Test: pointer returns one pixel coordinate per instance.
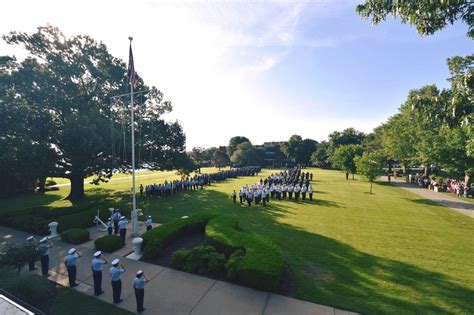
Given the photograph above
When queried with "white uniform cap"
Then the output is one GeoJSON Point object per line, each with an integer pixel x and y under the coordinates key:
{"type": "Point", "coordinates": [97, 253]}
{"type": "Point", "coordinates": [44, 239]}
{"type": "Point", "coordinates": [29, 238]}
{"type": "Point", "coordinates": [115, 262]}
{"type": "Point", "coordinates": [108, 219]}
{"type": "Point", "coordinates": [71, 251]}
{"type": "Point", "coordinates": [122, 217]}
{"type": "Point", "coordinates": [149, 217]}
{"type": "Point", "coordinates": [139, 272]}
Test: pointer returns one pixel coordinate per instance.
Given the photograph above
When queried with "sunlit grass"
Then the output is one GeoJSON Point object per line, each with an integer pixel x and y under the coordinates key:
{"type": "Point", "coordinates": [390, 252]}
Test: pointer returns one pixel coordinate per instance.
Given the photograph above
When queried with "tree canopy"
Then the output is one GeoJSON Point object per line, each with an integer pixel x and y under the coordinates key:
{"type": "Point", "coordinates": [247, 155]}
{"type": "Point", "coordinates": [62, 91]}
{"type": "Point", "coordinates": [234, 142]}
{"type": "Point", "coordinates": [344, 157]}
{"type": "Point", "coordinates": [427, 16]}
{"type": "Point", "coordinates": [370, 166]}
{"type": "Point", "coordinates": [298, 150]}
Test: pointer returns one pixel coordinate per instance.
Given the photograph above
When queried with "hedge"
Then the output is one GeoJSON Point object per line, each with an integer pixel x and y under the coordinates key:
{"type": "Point", "coordinates": [263, 263]}
{"type": "Point", "coordinates": [156, 240]}
{"type": "Point", "coordinates": [75, 236]}
{"type": "Point", "coordinates": [108, 243]}
{"type": "Point", "coordinates": [29, 223]}
{"type": "Point", "coordinates": [82, 219]}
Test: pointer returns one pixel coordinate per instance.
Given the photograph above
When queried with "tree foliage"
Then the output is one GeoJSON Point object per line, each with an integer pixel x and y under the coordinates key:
{"type": "Point", "coordinates": [298, 150]}
{"type": "Point", "coordinates": [370, 166]}
{"type": "Point", "coordinates": [64, 88]}
{"type": "Point", "coordinates": [246, 155]}
{"type": "Point", "coordinates": [220, 159]}
{"type": "Point", "coordinates": [234, 142]}
{"type": "Point", "coordinates": [344, 157]}
{"type": "Point", "coordinates": [427, 16]}
{"type": "Point", "coordinates": [320, 157]}
{"type": "Point", "coordinates": [17, 255]}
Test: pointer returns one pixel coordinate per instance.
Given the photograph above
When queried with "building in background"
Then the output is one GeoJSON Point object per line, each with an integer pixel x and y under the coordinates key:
{"type": "Point", "coordinates": [273, 155]}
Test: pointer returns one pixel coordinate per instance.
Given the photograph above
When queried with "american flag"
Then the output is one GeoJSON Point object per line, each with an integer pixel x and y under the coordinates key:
{"type": "Point", "coordinates": [131, 69]}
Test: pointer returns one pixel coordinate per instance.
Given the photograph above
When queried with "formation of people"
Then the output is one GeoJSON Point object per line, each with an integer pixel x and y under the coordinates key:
{"type": "Point", "coordinates": [188, 183]}
{"type": "Point", "coordinates": [97, 263]}
{"type": "Point", "coordinates": [451, 185]}
{"type": "Point", "coordinates": [292, 183]}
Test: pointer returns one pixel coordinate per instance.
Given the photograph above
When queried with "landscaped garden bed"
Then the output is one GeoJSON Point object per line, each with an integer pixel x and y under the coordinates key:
{"type": "Point", "coordinates": [223, 251]}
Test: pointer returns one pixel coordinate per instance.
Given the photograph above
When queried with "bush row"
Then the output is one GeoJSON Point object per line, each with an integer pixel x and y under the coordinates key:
{"type": "Point", "coordinates": [156, 240]}
{"type": "Point", "coordinates": [108, 243]}
{"type": "Point", "coordinates": [262, 264]}
{"type": "Point", "coordinates": [202, 260]}
{"type": "Point", "coordinates": [75, 236]}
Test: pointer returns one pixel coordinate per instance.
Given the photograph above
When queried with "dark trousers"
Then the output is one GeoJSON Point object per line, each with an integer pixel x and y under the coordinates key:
{"type": "Point", "coordinates": [109, 230]}
{"type": "Point", "coordinates": [116, 229]}
{"type": "Point", "coordinates": [122, 235]}
{"type": "Point", "coordinates": [97, 275]}
{"type": "Point", "coordinates": [234, 198]}
{"type": "Point", "coordinates": [148, 227]}
{"type": "Point", "coordinates": [304, 195]}
{"type": "Point", "coordinates": [72, 272]}
{"type": "Point", "coordinates": [240, 197]}
{"type": "Point", "coordinates": [311, 197]}
{"type": "Point", "coordinates": [139, 294]}
{"type": "Point", "coordinates": [117, 290]}
{"type": "Point", "coordinates": [44, 264]}
{"type": "Point", "coordinates": [31, 265]}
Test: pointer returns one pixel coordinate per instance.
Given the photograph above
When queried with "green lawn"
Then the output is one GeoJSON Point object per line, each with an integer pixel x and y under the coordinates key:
{"type": "Point", "coordinates": [391, 252]}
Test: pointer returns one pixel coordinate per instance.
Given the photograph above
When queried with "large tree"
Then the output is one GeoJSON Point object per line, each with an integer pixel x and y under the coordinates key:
{"type": "Point", "coordinates": [370, 166]}
{"type": "Point", "coordinates": [347, 136]}
{"type": "Point", "coordinates": [247, 155]}
{"type": "Point", "coordinates": [427, 16]}
{"type": "Point", "coordinates": [234, 142]}
{"type": "Point", "coordinates": [298, 150]}
{"type": "Point", "coordinates": [71, 82]}
{"type": "Point", "coordinates": [344, 158]}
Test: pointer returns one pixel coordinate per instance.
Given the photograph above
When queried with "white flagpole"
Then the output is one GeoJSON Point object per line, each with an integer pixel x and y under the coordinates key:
{"type": "Point", "coordinates": [134, 200]}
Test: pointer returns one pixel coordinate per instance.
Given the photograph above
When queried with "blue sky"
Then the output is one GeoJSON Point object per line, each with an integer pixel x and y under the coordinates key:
{"type": "Point", "coordinates": [261, 69]}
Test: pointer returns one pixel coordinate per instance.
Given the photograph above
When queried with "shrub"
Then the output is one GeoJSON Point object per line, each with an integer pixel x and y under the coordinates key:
{"type": "Point", "coordinates": [75, 236]}
{"type": "Point", "coordinates": [83, 219]}
{"type": "Point", "coordinates": [33, 289]}
{"type": "Point", "coordinates": [179, 258]}
{"type": "Point", "coordinates": [232, 265]}
{"type": "Point", "coordinates": [155, 240]}
{"type": "Point", "coordinates": [200, 260]}
{"type": "Point", "coordinates": [108, 243]}
{"type": "Point", "coordinates": [29, 223]}
{"type": "Point", "coordinates": [263, 263]}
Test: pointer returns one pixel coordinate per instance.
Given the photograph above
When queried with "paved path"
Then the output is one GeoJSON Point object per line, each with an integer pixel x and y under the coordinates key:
{"type": "Point", "coordinates": [457, 204]}
{"type": "Point", "coordinates": [170, 291]}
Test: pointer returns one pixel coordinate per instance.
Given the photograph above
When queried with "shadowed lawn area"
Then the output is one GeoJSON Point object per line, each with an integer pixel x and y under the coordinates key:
{"type": "Point", "coordinates": [390, 252]}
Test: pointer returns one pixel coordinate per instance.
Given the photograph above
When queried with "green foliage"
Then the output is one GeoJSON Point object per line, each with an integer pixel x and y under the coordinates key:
{"type": "Point", "coordinates": [75, 236]}
{"type": "Point", "coordinates": [347, 136]}
{"type": "Point", "coordinates": [82, 219]}
{"type": "Point", "coordinates": [262, 265]}
{"type": "Point", "coordinates": [233, 264]}
{"type": "Point", "coordinates": [343, 157]}
{"type": "Point", "coordinates": [320, 157]}
{"type": "Point", "coordinates": [29, 223]}
{"type": "Point", "coordinates": [200, 260]}
{"type": "Point", "coordinates": [17, 255]}
{"type": "Point", "coordinates": [298, 150]}
{"type": "Point", "coordinates": [233, 143]}
{"type": "Point", "coordinates": [427, 16]}
{"type": "Point", "coordinates": [108, 243]}
{"type": "Point", "coordinates": [247, 154]}
{"type": "Point", "coordinates": [370, 165]}
{"type": "Point", "coordinates": [220, 159]}
{"type": "Point", "coordinates": [33, 289]}
{"type": "Point", "coordinates": [155, 240]}
{"type": "Point", "coordinates": [82, 75]}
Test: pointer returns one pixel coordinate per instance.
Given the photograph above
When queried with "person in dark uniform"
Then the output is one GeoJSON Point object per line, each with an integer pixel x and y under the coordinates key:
{"type": "Point", "coordinates": [234, 196]}
{"type": "Point", "coordinates": [115, 273]}
{"type": "Point", "coordinates": [70, 263]}
{"type": "Point", "coordinates": [30, 242]}
{"type": "Point", "coordinates": [141, 190]}
{"type": "Point", "coordinates": [139, 287]}
{"type": "Point", "coordinates": [241, 194]}
{"type": "Point", "coordinates": [96, 266]}
{"type": "Point", "coordinates": [44, 247]}
{"type": "Point", "coordinates": [149, 223]}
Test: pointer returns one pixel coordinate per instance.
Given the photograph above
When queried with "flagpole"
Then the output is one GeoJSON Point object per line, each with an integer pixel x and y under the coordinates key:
{"type": "Point", "coordinates": [134, 200]}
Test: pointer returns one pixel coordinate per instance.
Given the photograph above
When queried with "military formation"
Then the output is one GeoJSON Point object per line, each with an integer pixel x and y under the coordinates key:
{"type": "Point", "coordinates": [189, 183]}
{"type": "Point", "coordinates": [279, 186]}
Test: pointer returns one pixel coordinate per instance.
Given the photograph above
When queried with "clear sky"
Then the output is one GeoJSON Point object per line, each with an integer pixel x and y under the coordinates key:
{"type": "Point", "coordinates": [261, 69]}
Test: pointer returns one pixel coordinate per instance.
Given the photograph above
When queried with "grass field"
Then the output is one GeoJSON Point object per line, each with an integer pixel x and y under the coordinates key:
{"type": "Point", "coordinates": [391, 252]}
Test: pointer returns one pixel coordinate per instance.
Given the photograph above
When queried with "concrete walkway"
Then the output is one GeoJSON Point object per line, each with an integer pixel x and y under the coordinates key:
{"type": "Point", "coordinates": [170, 291]}
{"type": "Point", "coordinates": [457, 204]}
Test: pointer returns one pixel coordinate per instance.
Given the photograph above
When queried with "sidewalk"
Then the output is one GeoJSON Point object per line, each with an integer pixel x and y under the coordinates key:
{"type": "Point", "coordinates": [457, 204]}
{"type": "Point", "coordinates": [170, 291]}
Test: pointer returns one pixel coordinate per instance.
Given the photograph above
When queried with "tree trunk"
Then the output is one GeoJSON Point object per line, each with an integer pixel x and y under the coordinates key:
{"type": "Point", "coordinates": [352, 176]}
{"type": "Point", "coordinates": [347, 176]}
{"type": "Point", "coordinates": [42, 184]}
{"type": "Point", "coordinates": [426, 171]}
{"type": "Point", "coordinates": [467, 180]}
{"type": "Point", "coordinates": [77, 187]}
{"type": "Point", "coordinates": [371, 188]}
